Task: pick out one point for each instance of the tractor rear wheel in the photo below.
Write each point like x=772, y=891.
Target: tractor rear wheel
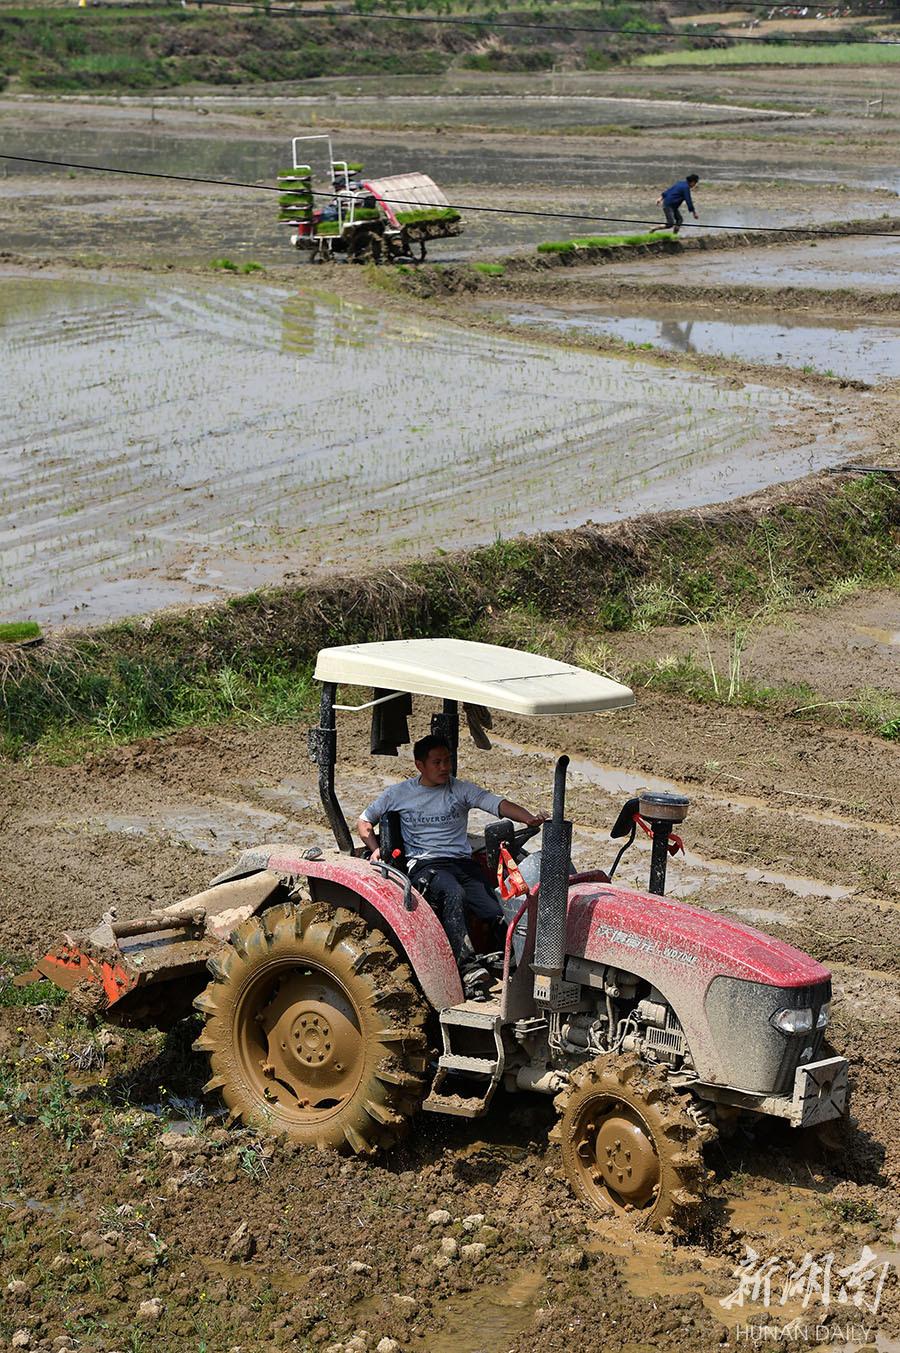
x=315, y=1029
x=629, y=1144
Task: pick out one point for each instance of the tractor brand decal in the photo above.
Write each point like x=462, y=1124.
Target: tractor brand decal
x=643, y=944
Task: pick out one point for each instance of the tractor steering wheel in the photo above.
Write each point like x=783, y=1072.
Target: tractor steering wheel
x=524, y=834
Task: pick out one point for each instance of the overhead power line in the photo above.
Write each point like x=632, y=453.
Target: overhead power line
x=455, y=206
x=453, y=20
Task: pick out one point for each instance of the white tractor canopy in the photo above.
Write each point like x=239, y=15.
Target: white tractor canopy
x=476, y=674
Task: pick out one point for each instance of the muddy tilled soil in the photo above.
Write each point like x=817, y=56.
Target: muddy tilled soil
x=132, y=1212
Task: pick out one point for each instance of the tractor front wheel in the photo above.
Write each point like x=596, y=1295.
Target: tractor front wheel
x=629, y=1145
x=315, y=1029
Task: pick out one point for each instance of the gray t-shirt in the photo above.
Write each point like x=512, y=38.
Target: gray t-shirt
x=433, y=820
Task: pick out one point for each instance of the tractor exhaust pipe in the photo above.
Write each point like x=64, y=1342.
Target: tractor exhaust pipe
x=553, y=894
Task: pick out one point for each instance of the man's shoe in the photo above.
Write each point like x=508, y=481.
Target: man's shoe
x=476, y=981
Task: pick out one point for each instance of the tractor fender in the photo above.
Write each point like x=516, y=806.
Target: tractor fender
x=347, y=880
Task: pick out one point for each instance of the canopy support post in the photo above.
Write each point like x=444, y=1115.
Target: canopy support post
x=323, y=750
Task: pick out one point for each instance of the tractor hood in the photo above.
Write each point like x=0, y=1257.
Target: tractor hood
x=638, y=931
x=723, y=980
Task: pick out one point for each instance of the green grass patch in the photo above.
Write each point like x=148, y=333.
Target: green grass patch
x=489, y=269
x=879, y=712
x=229, y=265
x=687, y=677
x=851, y=1211
x=16, y=631
x=35, y=993
x=216, y=664
x=602, y=242
x=778, y=54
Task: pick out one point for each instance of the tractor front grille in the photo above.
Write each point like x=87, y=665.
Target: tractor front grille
x=751, y=1053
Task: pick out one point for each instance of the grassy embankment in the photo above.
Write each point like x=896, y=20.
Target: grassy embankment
x=163, y=46
x=250, y=660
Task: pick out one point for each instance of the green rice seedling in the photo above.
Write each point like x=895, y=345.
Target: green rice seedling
x=16, y=631
x=423, y=214
x=602, y=242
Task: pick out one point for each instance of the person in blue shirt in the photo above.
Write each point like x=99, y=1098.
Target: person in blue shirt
x=672, y=199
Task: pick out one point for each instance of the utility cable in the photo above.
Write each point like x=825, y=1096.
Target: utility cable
x=777, y=13
x=445, y=19
x=453, y=206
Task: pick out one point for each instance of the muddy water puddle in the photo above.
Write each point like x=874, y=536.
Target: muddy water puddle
x=867, y=261
x=887, y=638
x=689, y=873
x=213, y=829
x=869, y=352
x=616, y=781
x=177, y=443
x=492, y=1321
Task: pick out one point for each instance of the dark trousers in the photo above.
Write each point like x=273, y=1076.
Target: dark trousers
x=674, y=218
x=457, y=889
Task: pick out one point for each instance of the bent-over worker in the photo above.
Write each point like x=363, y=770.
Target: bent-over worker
x=672, y=199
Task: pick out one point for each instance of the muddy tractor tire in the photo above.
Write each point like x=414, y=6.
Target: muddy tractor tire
x=629, y=1145
x=315, y=1029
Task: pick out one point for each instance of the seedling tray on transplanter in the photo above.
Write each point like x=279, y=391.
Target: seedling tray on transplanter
x=379, y=219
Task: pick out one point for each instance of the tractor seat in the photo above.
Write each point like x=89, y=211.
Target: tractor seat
x=391, y=844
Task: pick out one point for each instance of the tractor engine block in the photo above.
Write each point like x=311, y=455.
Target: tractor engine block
x=625, y=1015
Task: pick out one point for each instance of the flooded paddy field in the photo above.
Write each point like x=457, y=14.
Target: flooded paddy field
x=865, y=352
x=869, y=263
x=793, y=153
x=177, y=442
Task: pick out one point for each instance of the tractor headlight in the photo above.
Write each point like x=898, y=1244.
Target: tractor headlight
x=823, y=1017
x=793, y=1021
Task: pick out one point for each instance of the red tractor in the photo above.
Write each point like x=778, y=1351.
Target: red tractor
x=335, y=1011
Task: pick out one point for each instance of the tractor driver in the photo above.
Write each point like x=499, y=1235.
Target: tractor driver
x=434, y=813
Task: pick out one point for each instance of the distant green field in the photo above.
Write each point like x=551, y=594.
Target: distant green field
x=775, y=54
